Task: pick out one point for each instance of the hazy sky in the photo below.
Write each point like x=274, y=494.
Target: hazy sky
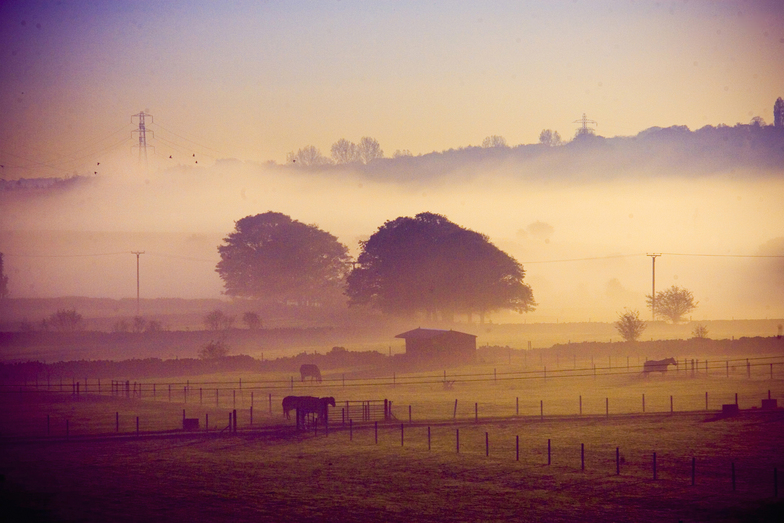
x=254, y=80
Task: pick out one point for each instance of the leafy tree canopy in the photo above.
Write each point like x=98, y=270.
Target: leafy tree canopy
x=273, y=257
x=630, y=326
x=429, y=264
x=672, y=303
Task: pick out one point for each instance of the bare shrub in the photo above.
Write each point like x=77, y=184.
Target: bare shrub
x=214, y=350
x=66, y=320
x=630, y=326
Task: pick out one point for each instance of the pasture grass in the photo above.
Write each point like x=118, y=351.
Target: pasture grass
x=268, y=472
x=284, y=476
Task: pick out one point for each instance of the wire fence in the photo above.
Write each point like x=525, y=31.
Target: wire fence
x=763, y=367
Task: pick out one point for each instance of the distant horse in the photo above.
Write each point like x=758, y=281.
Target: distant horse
x=657, y=365
x=311, y=371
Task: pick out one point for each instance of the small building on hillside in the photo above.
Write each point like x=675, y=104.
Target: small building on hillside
x=434, y=345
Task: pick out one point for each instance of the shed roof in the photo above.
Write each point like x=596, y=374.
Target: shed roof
x=427, y=334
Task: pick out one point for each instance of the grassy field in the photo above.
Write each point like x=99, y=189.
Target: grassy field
x=269, y=472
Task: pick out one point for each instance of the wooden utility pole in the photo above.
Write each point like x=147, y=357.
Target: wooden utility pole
x=137, y=253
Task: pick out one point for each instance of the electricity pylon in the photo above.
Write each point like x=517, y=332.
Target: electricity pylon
x=584, y=129
x=142, y=130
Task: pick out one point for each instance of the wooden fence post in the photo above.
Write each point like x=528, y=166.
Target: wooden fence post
x=548, y=453
x=454, y=414
x=693, y=469
x=671, y=408
x=607, y=407
x=733, y=476
x=643, y=403
x=487, y=444
x=654, y=466
x=350, y=429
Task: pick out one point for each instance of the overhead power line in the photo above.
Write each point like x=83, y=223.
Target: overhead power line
x=584, y=259
x=159, y=126
x=64, y=255
x=660, y=254
x=156, y=254
x=728, y=255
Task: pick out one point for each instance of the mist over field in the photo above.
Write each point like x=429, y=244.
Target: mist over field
x=581, y=219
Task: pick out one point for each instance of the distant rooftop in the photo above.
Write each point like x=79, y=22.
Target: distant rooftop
x=426, y=334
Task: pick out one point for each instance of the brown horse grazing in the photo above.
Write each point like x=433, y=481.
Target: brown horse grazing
x=311, y=371
x=657, y=365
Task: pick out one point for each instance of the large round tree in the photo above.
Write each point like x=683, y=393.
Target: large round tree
x=270, y=256
x=430, y=265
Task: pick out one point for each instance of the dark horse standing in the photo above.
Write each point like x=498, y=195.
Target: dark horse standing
x=657, y=365
x=307, y=405
x=311, y=371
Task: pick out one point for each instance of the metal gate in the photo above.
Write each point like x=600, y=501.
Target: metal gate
x=366, y=410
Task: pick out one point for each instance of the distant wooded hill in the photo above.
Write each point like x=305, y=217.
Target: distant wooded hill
x=656, y=151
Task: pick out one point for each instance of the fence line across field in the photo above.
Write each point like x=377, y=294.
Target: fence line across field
x=362, y=412
x=748, y=473
x=689, y=367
